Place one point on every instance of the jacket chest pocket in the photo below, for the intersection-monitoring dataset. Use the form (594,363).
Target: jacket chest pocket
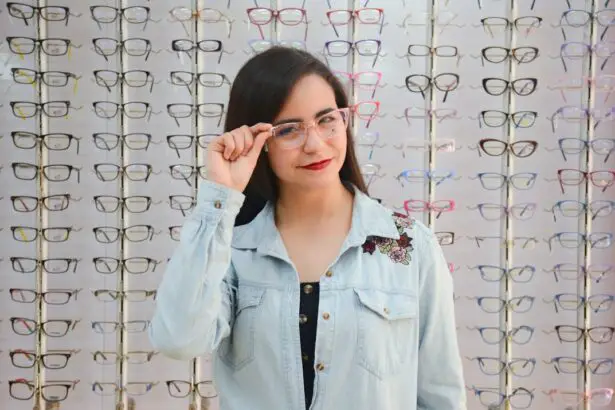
(237,350)
(387,326)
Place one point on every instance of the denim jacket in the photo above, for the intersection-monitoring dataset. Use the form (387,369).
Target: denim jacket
(388,342)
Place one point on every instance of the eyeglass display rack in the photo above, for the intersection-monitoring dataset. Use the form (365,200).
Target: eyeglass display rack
(490,121)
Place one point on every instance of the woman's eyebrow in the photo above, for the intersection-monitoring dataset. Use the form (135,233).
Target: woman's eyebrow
(318,114)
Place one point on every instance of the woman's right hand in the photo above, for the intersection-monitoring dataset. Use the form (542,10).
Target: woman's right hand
(232,156)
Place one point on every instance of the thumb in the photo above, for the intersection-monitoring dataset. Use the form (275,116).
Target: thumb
(259,142)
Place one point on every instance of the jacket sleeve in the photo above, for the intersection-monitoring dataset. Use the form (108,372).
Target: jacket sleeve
(195,298)
(440,375)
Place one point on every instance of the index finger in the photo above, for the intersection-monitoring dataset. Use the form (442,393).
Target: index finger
(260,127)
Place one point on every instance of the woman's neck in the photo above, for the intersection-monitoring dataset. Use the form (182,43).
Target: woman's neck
(296,205)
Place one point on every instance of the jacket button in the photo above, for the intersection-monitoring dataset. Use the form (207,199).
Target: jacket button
(303,319)
(386,310)
(329,274)
(307,289)
(217,204)
(325,316)
(320,367)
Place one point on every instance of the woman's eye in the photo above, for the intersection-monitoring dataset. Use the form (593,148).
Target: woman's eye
(287,131)
(326,119)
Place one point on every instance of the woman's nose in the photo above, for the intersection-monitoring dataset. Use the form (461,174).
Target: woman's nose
(313,140)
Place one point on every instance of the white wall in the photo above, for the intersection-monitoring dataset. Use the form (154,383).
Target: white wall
(468,100)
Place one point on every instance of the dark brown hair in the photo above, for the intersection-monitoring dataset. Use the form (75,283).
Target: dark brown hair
(258,94)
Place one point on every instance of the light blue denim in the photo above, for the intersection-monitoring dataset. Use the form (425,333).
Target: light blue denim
(388,342)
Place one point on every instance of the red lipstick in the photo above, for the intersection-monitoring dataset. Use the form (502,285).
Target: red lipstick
(317,166)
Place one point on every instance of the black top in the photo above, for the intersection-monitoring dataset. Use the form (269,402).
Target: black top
(308,318)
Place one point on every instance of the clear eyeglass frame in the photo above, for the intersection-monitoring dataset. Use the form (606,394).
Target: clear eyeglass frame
(293,134)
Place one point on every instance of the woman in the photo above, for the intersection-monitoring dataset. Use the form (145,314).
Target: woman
(309,293)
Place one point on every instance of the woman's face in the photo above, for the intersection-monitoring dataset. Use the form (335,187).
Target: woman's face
(309,158)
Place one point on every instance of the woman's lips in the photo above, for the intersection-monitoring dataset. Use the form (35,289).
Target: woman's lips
(317,166)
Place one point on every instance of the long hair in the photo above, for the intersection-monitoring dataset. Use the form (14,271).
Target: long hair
(258,93)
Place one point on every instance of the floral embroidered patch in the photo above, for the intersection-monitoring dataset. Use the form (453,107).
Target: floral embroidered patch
(399,250)
(402,222)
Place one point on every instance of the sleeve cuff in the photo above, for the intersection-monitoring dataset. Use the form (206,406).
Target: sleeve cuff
(214,199)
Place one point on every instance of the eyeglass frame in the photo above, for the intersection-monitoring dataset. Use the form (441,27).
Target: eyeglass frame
(121,13)
(121,264)
(509,23)
(120,45)
(197,45)
(121,140)
(306,125)
(508,116)
(503,365)
(587,144)
(194,387)
(510,85)
(17,261)
(510,53)
(588,48)
(505,210)
(508,180)
(432,82)
(196,108)
(586,207)
(275,16)
(37,10)
(506,272)
(43,169)
(582,271)
(70,293)
(352,47)
(354,14)
(66,353)
(40,43)
(40,76)
(508,147)
(120,77)
(66,198)
(42,108)
(196,14)
(587,176)
(41,138)
(40,326)
(581,396)
(583,333)
(67,384)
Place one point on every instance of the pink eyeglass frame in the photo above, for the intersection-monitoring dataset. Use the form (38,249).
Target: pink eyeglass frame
(307,125)
(428,206)
(354,77)
(581,396)
(355,14)
(354,109)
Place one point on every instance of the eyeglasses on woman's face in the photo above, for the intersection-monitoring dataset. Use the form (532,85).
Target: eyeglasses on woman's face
(291,135)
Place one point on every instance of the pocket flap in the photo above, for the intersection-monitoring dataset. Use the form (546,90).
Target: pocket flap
(388,305)
(249,296)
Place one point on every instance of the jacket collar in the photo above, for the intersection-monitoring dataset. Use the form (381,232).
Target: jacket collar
(369,218)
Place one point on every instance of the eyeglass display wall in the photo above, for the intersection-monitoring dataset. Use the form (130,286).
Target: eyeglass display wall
(490,121)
